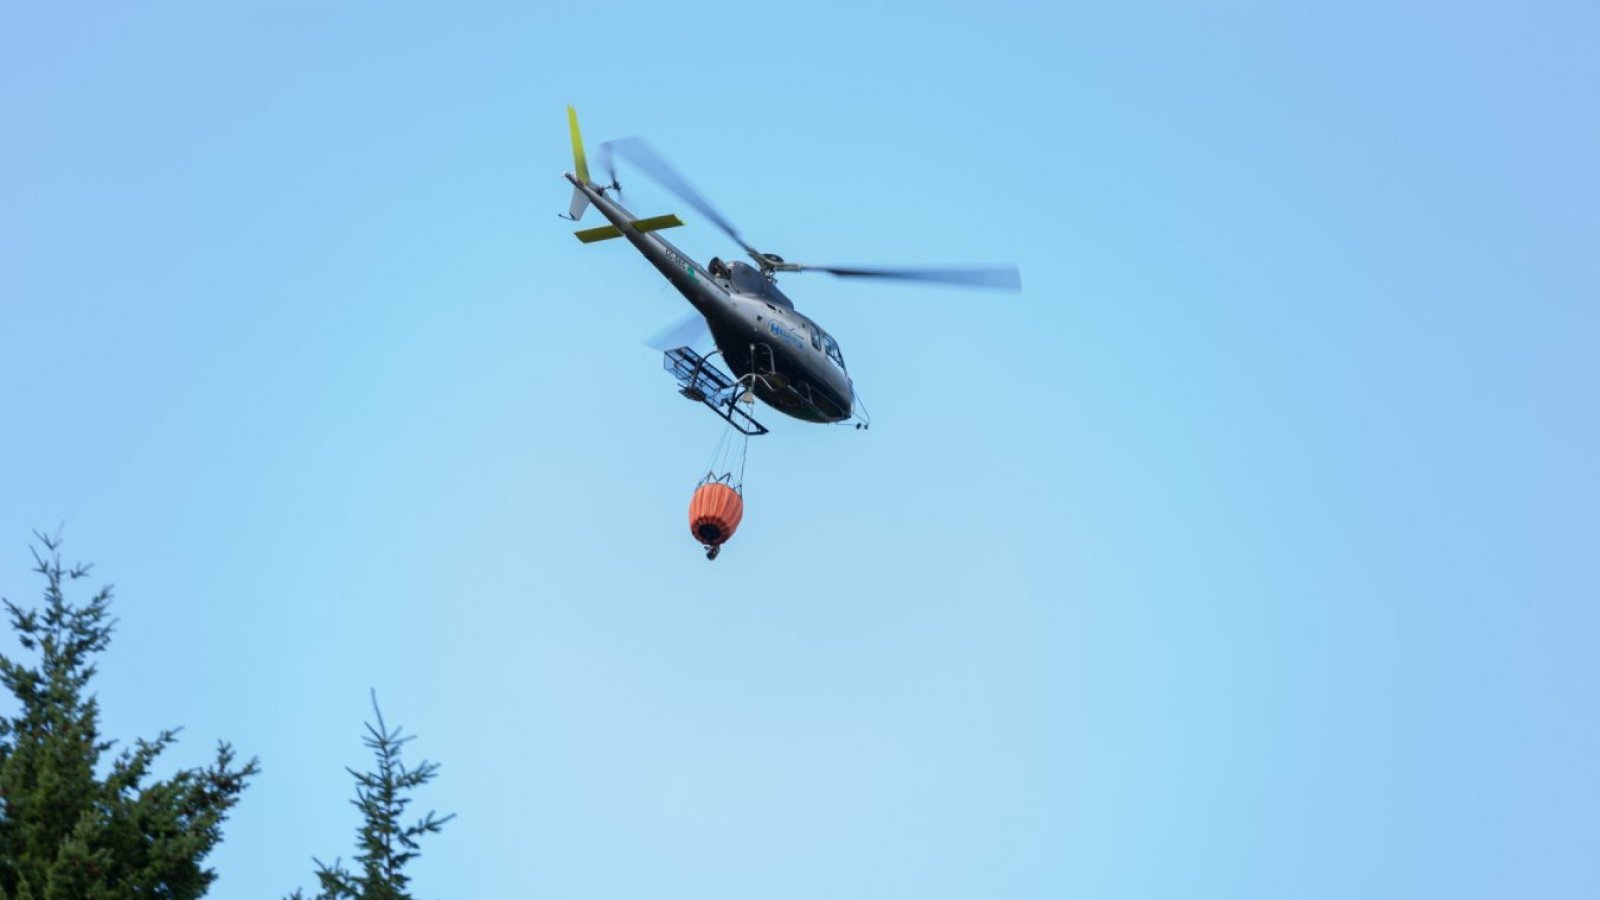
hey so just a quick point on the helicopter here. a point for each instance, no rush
(775, 353)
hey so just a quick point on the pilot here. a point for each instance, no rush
(718, 268)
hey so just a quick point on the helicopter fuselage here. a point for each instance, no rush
(789, 362)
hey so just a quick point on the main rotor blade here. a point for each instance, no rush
(686, 331)
(1000, 278)
(636, 151)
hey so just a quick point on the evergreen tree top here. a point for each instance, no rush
(386, 844)
(64, 831)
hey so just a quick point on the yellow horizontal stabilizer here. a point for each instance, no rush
(603, 233)
(607, 232)
(656, 223)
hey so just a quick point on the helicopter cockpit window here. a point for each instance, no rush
(833, 351)
(717, 267)
(816, 338)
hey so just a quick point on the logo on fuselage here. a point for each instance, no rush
(787, 336)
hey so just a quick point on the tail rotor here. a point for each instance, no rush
(608, 161)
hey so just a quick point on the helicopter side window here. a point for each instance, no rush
(833, 351)
(816, 339)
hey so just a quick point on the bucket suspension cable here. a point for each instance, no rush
(727, 460)
(718, 502)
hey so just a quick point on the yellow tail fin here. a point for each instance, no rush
(580, 201)
(577, 147)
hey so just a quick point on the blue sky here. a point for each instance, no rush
(1248, 553)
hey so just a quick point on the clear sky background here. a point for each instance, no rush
(1249, 552)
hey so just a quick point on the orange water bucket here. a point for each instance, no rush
(714, 514)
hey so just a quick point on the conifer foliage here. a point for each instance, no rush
(387, 844)
(65, 831)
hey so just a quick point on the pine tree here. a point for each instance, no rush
(386, 844)
(65, 832)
